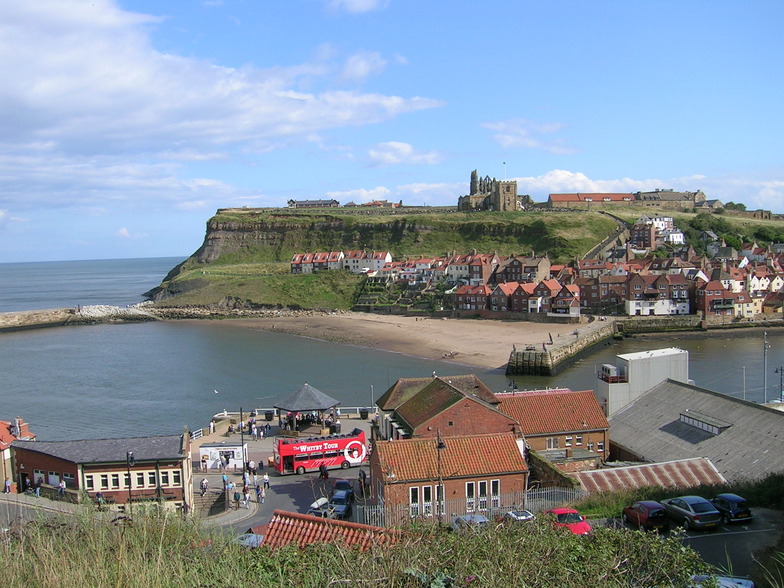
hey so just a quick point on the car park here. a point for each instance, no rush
(694, 512)
(646, 515)
(469, 522)
(340, 504)
(569, 518)
(732, 507)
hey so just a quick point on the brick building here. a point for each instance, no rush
(441, 477)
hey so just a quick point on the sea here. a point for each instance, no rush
(156, 378)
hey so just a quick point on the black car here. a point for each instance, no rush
(732, 507)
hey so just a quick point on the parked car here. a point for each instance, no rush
(249, 540)
(468, 521)
(647, 515)
(516, 516)
(345, 485)
(721, 581)
(340, 504)
(320, 508)
(693, 511)
(569, 518)
(732, 507)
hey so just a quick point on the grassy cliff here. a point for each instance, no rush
(246, 252)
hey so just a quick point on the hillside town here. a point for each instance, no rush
(653, 272)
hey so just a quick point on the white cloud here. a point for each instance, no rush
(529, 134)
(360, 195)
(396, 152)
(357, 6)
(90, 110)
(124, 233)
(362, 65)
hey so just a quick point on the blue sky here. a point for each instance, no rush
(125, 124)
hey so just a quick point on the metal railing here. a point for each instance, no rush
(534, 500)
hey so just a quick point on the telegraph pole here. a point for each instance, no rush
(765, 348)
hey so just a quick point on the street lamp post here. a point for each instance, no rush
(130, 461)
(780, 372)
(242, 444)
(440, 446)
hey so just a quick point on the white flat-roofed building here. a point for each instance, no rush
(635, 373)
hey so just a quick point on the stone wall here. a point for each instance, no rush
(549, 362)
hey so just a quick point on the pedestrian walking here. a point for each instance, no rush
(246, 496)
(7, 486)
(204, 462)
(38, 487)
(225, 480)
(204, 486)
(267, 430)
(237, 498)
(265, 478)
(263, 495)
(258, 494)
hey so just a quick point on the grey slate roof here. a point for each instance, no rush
(109, 450)
(750, 447)
(305, 399)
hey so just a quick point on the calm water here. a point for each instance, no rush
(155, 378)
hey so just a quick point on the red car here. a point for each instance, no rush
(570, 519)
(647, 515)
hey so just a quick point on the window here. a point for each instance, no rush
(590, 446)
(578, 440)
(413, 501)
(495, 493)
(164, 478)
(483, 495)
(151, 479)
(126, 480)
(88, 483)
(568, 442)
(427, 501)
(600, 446)
(140, 479)
(470, 497)
(104, 481)
(176, 478)
(115, 481)
(552, 443)
(440, 499)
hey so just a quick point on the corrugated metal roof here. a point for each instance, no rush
(682, 473)
(301, 529)
(651, 428)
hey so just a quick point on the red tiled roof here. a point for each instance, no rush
(410, 460)
(542, 412)
(291, 527)
(682, 474)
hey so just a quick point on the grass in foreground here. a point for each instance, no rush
(164, 550)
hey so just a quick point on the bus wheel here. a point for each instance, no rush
(345, 465)
(300, 470)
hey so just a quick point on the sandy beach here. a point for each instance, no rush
(474, 342)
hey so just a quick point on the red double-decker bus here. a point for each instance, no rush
(297, 455)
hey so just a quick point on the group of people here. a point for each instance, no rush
(243, 497)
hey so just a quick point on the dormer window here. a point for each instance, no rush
(704, 422)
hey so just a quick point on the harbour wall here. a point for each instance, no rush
(549, 360)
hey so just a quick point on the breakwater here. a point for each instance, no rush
(551, 359)
(81, 315)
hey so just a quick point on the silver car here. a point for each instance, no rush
(693, 511)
